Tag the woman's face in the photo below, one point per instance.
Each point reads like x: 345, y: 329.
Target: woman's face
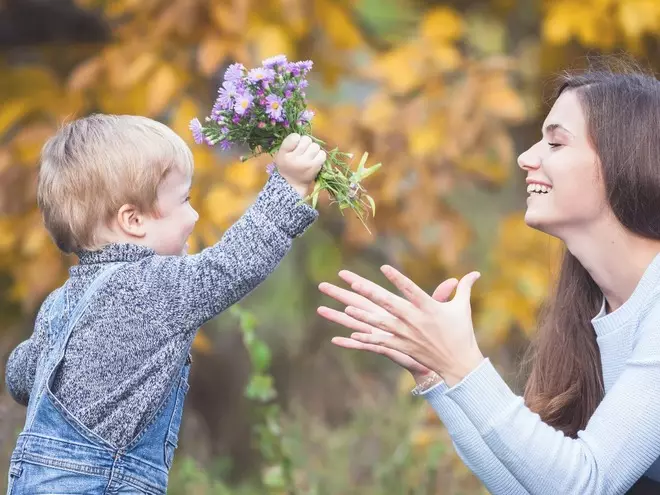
x: 566, y: 191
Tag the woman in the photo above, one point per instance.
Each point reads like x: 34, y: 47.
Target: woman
x: 590, y: 419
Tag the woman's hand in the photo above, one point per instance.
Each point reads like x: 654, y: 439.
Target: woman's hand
x: 433, y: 334
x: 418, y: 371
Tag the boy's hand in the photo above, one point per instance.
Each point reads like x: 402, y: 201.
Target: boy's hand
x: 299, y: 161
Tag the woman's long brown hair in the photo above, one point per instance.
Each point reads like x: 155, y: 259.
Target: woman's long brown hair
x: 622, y: 110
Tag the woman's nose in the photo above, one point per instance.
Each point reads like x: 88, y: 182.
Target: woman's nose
x: 530, y: 159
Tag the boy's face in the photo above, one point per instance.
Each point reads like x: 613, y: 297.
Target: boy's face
x: 167, y: 231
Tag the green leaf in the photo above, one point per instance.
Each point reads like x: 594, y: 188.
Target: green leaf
x: 372, y: 203
x: 260, y: 388
x: 260, y: 354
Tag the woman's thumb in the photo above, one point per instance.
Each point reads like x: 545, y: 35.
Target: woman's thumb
x: 464, y: 288
x: 444, y: 290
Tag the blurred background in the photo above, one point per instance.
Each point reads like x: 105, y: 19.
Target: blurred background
x: 445, y: 93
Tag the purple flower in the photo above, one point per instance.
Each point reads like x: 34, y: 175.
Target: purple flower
x: 234, y: 72
x: 273, y: 62
x: 303, y: 84
x: 305, y: 66
x: 274, y: 107
x: 226, y: 95
x: 270, y: 168
x: 225, y: 145
x: 243, y: 103
x: 260, y: 74
x: 307, y: 116
x: 196, y: 128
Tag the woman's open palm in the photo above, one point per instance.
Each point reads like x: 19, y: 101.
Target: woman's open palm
x: 349, y: 298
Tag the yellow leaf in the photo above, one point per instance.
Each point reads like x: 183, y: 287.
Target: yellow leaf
x: 269, y: 40
x: 85, y: 74
x: 11, y: 112
x: 27, y: 142
x: 499, y: 100
x: 338, y: 25
x: 5, y: 159
x: 162, y: 87
x: 559, y: 23
x: 7, y: 234
x: 639, y: 17
x: 442, y: 24
x: 211, y: 52
x: 424, y: 141
x: 425, y: 436
x: 184, y: 113
x: 402, y: 68
x: 202, y: 344
x: 35, y: 240
x: 223, y: 206
x: 138, y: 69
x: 379, y: 113
x: 224, y: 16
x: 246, y: 176
x: 133, y: 100
x: 446, y: 57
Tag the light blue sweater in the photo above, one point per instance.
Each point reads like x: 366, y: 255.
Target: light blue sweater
x: 513, y: 452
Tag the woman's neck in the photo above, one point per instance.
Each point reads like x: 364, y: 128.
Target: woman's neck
x: 615, y: 258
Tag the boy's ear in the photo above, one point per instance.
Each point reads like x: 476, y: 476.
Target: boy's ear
x: 131, y: 221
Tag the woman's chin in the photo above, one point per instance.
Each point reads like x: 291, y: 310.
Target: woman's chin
x: 536, y: 221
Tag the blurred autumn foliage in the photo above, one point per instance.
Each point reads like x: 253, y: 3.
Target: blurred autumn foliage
x: 444, y: 93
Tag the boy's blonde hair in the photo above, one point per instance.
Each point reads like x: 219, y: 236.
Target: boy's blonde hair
x: 96, y: 164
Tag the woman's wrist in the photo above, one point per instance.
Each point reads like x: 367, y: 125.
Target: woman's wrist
x: 462, y: 369
x: 425, y: 380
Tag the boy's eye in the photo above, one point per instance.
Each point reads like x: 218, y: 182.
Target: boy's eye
x: 187, y: 199
x: 554, y: 145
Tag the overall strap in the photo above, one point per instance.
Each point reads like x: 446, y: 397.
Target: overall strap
x: 58, y: 341
x: 82, y: 304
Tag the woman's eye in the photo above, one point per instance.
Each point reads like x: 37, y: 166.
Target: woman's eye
x: 554, y: 145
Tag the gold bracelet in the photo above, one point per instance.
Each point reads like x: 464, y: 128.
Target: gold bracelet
x: 427, y: 383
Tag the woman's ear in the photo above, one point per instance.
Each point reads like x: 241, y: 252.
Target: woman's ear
x: 131, y: 221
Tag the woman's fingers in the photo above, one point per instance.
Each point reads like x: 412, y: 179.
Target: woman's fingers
x: 347, y: 297
x: 345, y: 320
x: 395, y: 356
x: 394, y: 305
x: 408, y: 288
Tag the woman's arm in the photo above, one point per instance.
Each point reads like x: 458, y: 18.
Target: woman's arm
x: 470, y: 447
x: 619, y: 444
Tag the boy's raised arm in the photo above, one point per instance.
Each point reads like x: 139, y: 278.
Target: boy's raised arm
x: 203, y: 285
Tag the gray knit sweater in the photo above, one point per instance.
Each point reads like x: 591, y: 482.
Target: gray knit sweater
x: 135, y: 336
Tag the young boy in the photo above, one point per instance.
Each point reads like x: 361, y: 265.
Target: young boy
x: 104, y: 375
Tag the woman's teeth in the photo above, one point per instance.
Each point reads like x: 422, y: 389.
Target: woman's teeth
x: 538, y: 188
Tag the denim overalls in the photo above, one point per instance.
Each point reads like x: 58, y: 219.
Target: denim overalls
x: 56, y: 454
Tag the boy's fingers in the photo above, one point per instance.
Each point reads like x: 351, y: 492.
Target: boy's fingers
x: 303, y: 144
x: 312, y: 151
x: 319, y: 159
x: 290, y: 142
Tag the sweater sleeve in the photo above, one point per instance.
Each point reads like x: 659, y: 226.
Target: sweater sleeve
x: 22, y: 363
x: 618, y: 445
x: 470, y: 447
x: 200, y: 286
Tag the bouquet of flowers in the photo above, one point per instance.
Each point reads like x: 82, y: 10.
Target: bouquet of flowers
x: 260, y: 107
